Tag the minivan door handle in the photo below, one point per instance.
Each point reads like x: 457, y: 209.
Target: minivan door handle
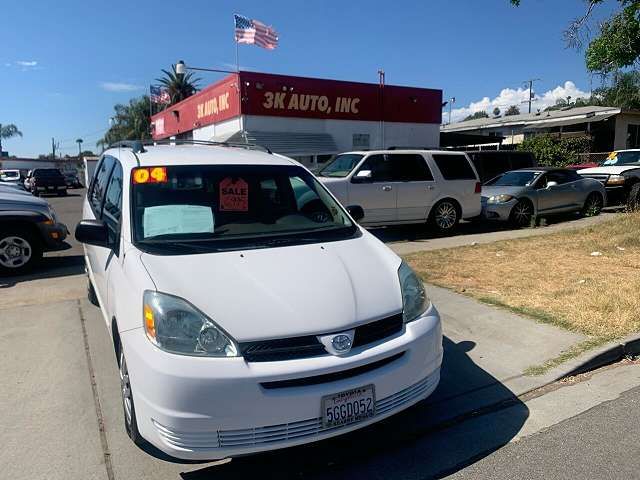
x: 387, y: 188
x: 430, y: 187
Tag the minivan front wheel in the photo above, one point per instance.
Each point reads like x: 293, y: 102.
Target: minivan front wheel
x: 130, y: 422
x: 445, y: 216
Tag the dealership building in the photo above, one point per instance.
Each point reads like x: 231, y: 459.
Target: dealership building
x: 308, y: 119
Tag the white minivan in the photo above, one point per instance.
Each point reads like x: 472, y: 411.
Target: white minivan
x: 406, y: 186
x: 248, y: 310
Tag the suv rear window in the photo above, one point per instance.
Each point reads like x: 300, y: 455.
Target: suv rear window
x: 47, y: 172
x: 454, y: 167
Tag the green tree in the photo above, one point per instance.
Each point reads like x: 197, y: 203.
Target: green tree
x: 476, y: 115
x: 624, y: 91
x: 130, y: 122
x: 617, y: 44
x: 7, y: 132
x: 178, y: 86
x: 552, y: 151
x: 512, y: 110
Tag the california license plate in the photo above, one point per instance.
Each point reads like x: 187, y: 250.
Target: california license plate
x: 348, y: 407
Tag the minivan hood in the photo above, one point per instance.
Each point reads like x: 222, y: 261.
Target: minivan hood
x: 611, y: 170
x: 287, y: 291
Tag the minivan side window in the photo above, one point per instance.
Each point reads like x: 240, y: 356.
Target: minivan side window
x: 454, y: 167
x: 112, y: 209
x: 99, y: 186
x: 410, y: 168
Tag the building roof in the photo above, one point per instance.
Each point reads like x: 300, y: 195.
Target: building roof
x: 568, y: 117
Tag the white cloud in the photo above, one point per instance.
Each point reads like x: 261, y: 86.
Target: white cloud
x: 120, y: 87
x: 510, y: 96
x: 26, y: 63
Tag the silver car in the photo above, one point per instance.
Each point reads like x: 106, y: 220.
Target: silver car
x: 519, y: 196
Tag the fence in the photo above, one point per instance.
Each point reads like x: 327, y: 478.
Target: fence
x: 592, y: 157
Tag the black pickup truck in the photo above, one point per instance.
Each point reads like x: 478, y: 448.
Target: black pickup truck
x: 47, y: 180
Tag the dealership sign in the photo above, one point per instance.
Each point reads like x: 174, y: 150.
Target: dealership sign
x: 299, y: 97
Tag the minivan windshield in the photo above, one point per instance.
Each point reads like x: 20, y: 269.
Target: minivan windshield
x: 514, y: 179
x: 341, y: 165
x: 622, y: 158
x: 197, y: 208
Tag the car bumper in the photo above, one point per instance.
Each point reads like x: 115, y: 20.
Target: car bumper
x: 498, y: 211
x: 59, y: 188
x: 196, y: 408
x: 53, y: 235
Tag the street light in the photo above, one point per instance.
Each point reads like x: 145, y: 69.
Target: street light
x: 181, y: 69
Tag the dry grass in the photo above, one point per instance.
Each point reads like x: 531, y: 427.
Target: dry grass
x: 553, y: 278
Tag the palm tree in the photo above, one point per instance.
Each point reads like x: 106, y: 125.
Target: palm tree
x: 7, y: 132
x: 130, y: 122
x: 178, y: 86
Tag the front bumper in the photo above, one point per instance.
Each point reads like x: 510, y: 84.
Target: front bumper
x: 498, y: 211
x: 53, y: 235
x: 206, y: 408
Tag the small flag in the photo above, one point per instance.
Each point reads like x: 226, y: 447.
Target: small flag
x: 255, y: 32
x: 159, y: 94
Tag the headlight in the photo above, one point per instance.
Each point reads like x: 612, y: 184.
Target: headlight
x: 616, y: 180
x: 176, y: 326
x: 414, y: 299
x: 500, y: 198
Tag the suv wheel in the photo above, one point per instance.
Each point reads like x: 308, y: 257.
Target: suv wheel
x: 130, y: 422
x: 445, y: 216
x: 592, y: 205
x: 633, y: 200
x: 19, y: 251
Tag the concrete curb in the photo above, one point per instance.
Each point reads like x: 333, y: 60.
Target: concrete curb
x: 600, y: 357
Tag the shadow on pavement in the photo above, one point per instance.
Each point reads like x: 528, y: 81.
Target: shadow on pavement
x: 428, y: 440
x: 49, y: 267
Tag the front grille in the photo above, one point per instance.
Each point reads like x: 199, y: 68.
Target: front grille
x: 331, y: 377
x: 601, y: 177
x: 309, y: 346
x: 270, y: 434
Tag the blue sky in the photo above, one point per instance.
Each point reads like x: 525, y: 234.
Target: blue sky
x: 63, y: 67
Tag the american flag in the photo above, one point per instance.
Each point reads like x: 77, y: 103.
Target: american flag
x: 159, y: 94
x: 255, y: 32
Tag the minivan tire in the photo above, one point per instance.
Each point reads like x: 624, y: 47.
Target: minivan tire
x: 27, y: 242
x: 91, y: 293
x: 128, y: 407
x: 445, y: 216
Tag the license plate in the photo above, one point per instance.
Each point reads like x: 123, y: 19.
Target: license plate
x: 348, y: 407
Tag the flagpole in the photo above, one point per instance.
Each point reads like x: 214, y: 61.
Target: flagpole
x: 239, y: 86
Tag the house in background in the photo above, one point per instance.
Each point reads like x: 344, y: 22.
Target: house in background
x: 610, y: 128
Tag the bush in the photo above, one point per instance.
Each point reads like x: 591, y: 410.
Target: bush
x: 551, y: 151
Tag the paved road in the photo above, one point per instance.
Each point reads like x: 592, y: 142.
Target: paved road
x: 600, y: 443
x: 59, y: 395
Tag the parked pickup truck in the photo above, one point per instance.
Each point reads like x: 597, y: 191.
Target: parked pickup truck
x: 620, y: 174
x: 47, y: 180
x: 28, y: 227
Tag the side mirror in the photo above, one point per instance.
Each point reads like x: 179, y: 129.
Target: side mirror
x: 363, y: 176
x: 551, y: 184
x: 356, y: 212
x: 92, y: 232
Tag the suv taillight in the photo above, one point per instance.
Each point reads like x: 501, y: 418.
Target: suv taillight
x: 478, y: 188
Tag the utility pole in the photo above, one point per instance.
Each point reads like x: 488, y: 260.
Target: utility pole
x: 381, y: 79
x: 452, y: 100
x: 530, y: 82
x: 54, y: 147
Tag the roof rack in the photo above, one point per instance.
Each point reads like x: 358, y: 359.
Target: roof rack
x: 138, y: 146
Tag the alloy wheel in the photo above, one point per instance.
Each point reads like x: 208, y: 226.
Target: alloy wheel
x: 446, y: 216
x: 593, y: 206
x: 522, y: 213
x: 15, y: 252
x: 125, y: 387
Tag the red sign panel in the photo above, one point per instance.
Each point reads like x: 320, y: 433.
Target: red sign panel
x: 216, y: 103
x: 286, y: 96
x: 299, y: 97
x: 234, y: 195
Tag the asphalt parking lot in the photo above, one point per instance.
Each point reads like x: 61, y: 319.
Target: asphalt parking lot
x: 60, y: 394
